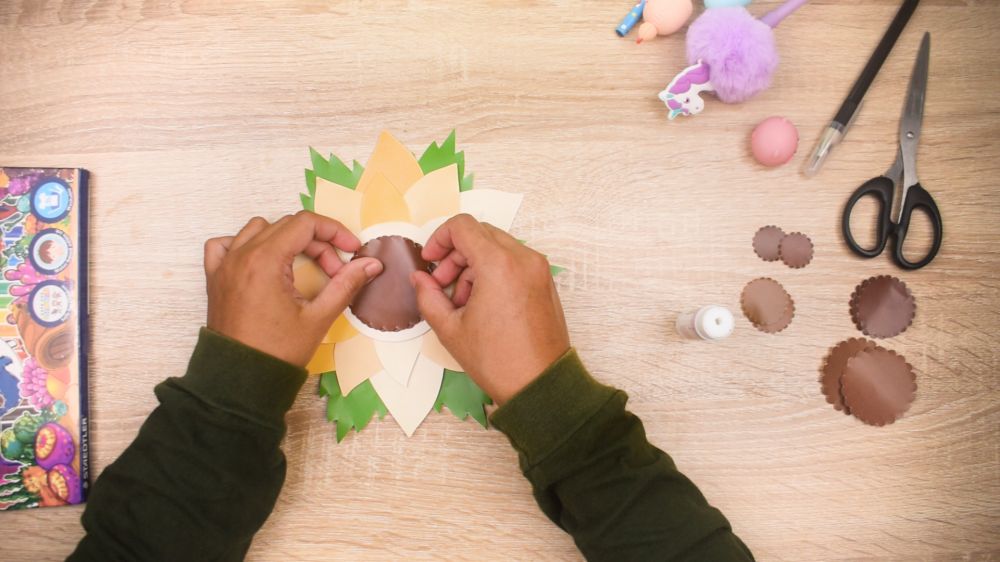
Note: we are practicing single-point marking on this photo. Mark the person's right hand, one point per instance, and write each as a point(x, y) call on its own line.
point(503, 323)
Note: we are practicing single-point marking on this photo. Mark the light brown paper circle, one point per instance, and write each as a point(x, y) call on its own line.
point(796, 250)
point(882, 307)
point(766, 242)
point(767, 305)
point(878, 386)
point(833, 369)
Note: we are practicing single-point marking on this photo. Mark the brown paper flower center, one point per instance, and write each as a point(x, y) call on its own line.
point(389, 302)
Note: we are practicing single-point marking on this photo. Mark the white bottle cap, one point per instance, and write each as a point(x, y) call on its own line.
point(714, 322)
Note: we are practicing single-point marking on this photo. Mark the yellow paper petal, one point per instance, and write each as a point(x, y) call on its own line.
point(322, 360)
point(382, 203)
point(341, 330)
point(356, 361)
point(339, 203)
point(434, 195)
point(394, 161)
point(433, 350)
point(307, 276)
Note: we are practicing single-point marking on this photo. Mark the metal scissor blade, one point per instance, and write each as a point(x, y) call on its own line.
point(913, 112)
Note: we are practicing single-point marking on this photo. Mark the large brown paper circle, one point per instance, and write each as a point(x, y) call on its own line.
point(833, 369)
point(796, 250)
point(882, 307)
point(767, 305)
point(389, 302)
point(878, 386)
point(766, 241)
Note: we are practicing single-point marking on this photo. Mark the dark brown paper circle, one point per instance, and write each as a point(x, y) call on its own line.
point(389, 302)
point(796, 250)
point(766, 242)
point(878, 386)
point(882, 307)
point(767, 305)
point(833, 369)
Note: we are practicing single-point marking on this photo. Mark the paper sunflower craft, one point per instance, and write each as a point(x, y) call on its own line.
point(380, 356)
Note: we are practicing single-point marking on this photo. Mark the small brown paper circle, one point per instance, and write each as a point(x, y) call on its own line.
point(389, 302)
point(833, 369)
point(878, 386)
point(767, 305)
point(766, 242)
point(882, 307)
point(796, 250)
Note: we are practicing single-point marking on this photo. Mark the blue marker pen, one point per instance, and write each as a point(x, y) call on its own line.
point(632, 18)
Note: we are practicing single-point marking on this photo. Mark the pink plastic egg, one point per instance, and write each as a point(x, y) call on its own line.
point(774, 141)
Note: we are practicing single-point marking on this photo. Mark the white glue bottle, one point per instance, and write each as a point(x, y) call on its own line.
point(711, 322)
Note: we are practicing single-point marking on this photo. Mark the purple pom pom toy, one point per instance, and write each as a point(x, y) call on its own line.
point(731, 53)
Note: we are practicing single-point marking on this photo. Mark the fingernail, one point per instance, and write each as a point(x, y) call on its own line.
point(373, 268)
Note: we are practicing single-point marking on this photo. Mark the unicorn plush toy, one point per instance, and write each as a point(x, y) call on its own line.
point(732, 54)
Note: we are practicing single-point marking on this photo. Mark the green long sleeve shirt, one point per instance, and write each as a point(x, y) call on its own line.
point(206, 468)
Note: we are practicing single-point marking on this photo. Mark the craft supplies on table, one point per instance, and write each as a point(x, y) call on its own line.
point(848, 111)
point(44, 458)
point(712, 322)
point(902, 174)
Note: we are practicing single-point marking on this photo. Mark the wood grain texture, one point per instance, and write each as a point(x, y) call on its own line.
point(194, 115)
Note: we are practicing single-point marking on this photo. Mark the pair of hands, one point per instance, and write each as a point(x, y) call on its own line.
point(503, 323)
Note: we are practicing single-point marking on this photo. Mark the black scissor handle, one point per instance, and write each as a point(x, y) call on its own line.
point(881, 188)
point(917, 197)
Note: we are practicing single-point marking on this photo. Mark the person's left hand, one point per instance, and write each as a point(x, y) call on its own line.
point(251, 296)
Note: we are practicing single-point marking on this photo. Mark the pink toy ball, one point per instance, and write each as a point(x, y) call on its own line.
point(774, 141)
point(663, 17)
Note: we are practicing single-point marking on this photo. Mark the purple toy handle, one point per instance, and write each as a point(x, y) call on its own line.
point(774, 17)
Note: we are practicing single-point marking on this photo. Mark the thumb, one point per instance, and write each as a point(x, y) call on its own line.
point(434, 304)
point(341, 289)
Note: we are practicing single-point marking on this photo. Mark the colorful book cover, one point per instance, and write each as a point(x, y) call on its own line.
point(43, 335)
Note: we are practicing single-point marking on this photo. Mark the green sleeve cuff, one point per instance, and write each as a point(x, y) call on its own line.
point(552, 408)
point(241, 379)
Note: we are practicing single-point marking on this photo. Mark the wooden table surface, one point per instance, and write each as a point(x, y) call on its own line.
point(194, 115)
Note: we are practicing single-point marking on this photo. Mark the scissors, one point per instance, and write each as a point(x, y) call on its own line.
point(902, 172)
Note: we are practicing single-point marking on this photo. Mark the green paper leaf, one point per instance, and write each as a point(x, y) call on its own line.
point(556, 269)
point(462, 397)
point(308, 203)
point(437, 157)
point(352, 411)
point(332, 170)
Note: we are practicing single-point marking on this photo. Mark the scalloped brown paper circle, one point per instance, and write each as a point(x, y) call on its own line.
point(767, 305)
point(766, 242)
point(879, 386)
point(389, 302)
point(796, 250)
point(833, 369)
point(882, 307)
